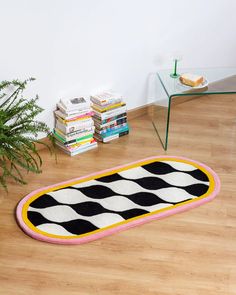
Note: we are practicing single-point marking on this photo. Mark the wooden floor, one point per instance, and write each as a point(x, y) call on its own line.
point(188, 253)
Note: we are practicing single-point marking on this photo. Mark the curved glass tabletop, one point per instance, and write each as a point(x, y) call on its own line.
point(168, 89)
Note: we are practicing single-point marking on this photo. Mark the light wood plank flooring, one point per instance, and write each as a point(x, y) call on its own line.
point(188, 253)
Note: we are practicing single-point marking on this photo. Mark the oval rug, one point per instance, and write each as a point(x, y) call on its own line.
point(99, 204)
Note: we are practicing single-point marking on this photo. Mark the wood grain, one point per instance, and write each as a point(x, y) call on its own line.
point(188, 253)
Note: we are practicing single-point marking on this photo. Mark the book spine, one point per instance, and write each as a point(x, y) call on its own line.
point(115, 136)
point(72, 141)
point(79, 140)
point(116, 112)
point(122, 129)
point(69, 129)
point(79, 145)
point(108, 120)
point(108, 108)
point(93, 146)
point(81, 131)
point(105, 102)
point(72, 112)
point(64, 138)
point(73, 135)
point(111, 128)
point(74, 117)
point(81, 117)
point(70, 122)
point(111, 124)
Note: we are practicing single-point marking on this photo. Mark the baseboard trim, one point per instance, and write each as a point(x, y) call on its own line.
point(137, 112)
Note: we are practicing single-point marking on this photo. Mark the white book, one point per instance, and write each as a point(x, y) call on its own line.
point(79, 150)
point(103, 102)
point(66, 115)
point(70, 149)
point(99, 125)
point(80, 121)
point(76, 103)
point(106, 97)
point(92, 146)
point(72, 112)
point(106, 139)
point(76, 136)
point(109, 138)
point(77, 133)
point(72, 128)
point(111, 113)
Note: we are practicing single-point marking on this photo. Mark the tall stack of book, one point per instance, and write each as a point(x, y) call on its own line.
point(110, 116)
point(74, 127)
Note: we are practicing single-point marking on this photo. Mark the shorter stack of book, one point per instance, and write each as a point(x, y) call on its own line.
point(74, 127)
point(110, 116)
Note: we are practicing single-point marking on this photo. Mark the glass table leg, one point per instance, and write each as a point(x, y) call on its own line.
point(159, 113)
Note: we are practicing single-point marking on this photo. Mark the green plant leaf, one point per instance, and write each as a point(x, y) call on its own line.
point(18, 132)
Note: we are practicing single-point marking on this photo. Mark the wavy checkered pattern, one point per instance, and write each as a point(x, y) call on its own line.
point(109, 200)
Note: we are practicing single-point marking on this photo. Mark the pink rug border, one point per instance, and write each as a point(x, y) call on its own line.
point(110, 231)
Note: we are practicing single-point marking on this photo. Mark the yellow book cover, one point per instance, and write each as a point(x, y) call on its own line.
point(108, 108)
point(72, 121)
point(77, 144)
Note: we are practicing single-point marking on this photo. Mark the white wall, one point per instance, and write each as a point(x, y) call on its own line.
point(74, 47)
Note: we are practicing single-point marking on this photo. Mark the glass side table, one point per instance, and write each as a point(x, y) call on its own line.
point(168, 89)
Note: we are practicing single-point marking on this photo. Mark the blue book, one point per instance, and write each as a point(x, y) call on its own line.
point(119, 130)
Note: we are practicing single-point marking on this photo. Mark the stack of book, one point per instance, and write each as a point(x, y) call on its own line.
point(110, 117)
point(74, 127)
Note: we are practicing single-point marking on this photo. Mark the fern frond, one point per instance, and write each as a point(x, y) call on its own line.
point(18, 132)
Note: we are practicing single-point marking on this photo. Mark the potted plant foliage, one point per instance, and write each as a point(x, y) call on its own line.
point(18, 132)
